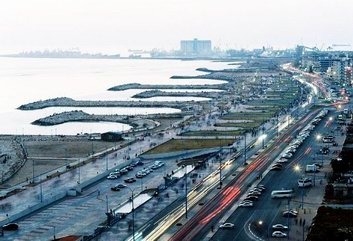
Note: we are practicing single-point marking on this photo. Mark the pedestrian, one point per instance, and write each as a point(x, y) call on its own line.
point(99, 192)
point(212, 228)
point(300, 221)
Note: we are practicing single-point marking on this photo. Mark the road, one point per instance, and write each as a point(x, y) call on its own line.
point(268, 210)
point(197, 226)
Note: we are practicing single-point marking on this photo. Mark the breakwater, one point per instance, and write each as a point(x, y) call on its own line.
point(68, 102)
point(157, 93)
point(163, 87)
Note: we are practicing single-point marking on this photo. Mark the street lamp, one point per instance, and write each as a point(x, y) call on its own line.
point(319, 138)
point(297, 169)
point(132, 211)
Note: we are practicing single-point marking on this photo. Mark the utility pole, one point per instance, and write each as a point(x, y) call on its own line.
point(186, 193)
point(41, 191)
point(33, 171)
point(245, 149)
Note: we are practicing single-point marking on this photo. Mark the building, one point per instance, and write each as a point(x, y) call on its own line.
point(197, 48)
point(111, 136)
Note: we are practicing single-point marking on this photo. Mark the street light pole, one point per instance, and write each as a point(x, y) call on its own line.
point(245, 149)
point(186, 193)
point(33, 171)
point(133, 212)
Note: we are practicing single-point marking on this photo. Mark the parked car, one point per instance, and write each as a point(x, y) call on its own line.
point(111, 177)
point(10, 227)
point(279, 234)
point(279, 226)
point(227, 226)
point(124, 171)
point(290, 214)
point(252, 198)
point(115, 173)
point(275, 168)
point(246, 204)
point(254, 193)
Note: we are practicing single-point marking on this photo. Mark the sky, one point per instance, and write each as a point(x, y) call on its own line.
point(109, 26)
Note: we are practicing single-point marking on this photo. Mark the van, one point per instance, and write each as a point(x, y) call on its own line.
point(311, 168)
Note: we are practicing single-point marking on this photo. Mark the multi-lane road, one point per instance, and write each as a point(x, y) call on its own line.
point(199, 225)
point(268, 211)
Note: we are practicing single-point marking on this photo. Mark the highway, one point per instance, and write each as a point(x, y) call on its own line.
point(200, 224)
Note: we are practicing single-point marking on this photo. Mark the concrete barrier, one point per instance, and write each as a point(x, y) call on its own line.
point(180, 154)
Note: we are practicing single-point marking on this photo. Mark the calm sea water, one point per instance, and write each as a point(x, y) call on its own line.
point(26, 80)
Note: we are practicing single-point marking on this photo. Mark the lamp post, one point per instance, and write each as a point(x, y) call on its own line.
point(319, 138)
point(245, 148)
point(133, 212)
point(298, 169)
point(186, 193)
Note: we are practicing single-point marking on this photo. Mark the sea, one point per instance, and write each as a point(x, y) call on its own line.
point(25, 80)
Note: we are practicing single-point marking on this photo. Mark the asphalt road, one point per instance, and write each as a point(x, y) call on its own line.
point(269, 210)
point(197, 227)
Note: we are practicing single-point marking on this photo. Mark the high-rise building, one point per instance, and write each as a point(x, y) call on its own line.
point(195, 47)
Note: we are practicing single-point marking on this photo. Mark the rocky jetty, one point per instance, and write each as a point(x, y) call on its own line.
point(78, 115)
point(68, 102)
point(155, 93)
point(165, 87)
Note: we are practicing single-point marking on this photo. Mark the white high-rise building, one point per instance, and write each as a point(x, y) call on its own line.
point(196, 47)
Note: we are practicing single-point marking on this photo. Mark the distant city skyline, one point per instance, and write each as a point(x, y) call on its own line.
point(112, 26)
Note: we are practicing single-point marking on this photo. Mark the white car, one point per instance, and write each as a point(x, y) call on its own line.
point(227, 226)
point(279, 226)
point(246, 204)
point(282, 160)
point(279, 234)
point(111, 177)
point(287, 155)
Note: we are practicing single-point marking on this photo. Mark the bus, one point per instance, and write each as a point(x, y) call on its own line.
point(282, 193)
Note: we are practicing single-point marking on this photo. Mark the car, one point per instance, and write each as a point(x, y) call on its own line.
point(282, 160)
point(246, 204)
point(159, 163)
point(227, 226)
point(120, 185)
point(115, 188)
point(129, 168)
point(124, 171)
point(290, 214)
point(130, 180)
point(112, 177)
point(255, 193)
point(279, 226)
point(133, 164)
point(10, 227)
point(287, 155)
point(256, 189)
point(319, 165)
point(115, 173)
point(252, 198)
point(279, 234)
point(140, 174)
point(277, 165)
point(275, 168)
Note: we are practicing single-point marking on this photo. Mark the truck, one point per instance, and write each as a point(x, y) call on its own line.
point(311, 168)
